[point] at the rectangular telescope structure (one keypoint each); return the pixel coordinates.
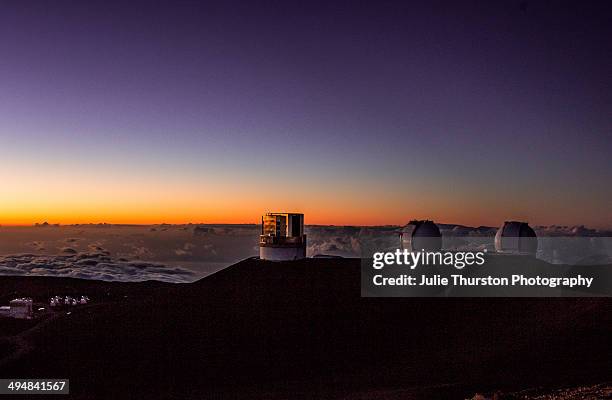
(282, 237)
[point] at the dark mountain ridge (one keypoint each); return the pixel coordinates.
(301, 329)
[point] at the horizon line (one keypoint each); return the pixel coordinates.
(59, 224)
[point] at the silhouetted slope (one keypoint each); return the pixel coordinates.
(261, 328)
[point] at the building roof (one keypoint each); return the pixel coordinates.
(424, 228)
(282, 213)
(516, 229)
(21, 300)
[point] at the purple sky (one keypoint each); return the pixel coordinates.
(463, 103)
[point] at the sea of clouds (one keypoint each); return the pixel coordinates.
(91, 266)
(184, 253)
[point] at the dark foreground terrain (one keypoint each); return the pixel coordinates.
(301, 330)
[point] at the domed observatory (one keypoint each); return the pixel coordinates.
(515, 237)
(282, 237)
(421, 235)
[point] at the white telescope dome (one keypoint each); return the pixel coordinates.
(421, 235)
(516, 238)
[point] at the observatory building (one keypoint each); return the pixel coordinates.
(282, 237)
(515, 237)
(420, 235)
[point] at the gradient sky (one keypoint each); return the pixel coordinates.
(351, 112)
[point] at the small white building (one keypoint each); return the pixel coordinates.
(21, 308)
(68, 300)
(282, 237)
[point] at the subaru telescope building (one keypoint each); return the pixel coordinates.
(282, 237)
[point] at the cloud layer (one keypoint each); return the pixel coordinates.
(182, 253)
(91, 266)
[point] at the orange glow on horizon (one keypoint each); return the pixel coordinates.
(188, 213)
(66, 197)
(151, 216)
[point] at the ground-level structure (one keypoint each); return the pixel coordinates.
(282, 237)
(18, 308)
